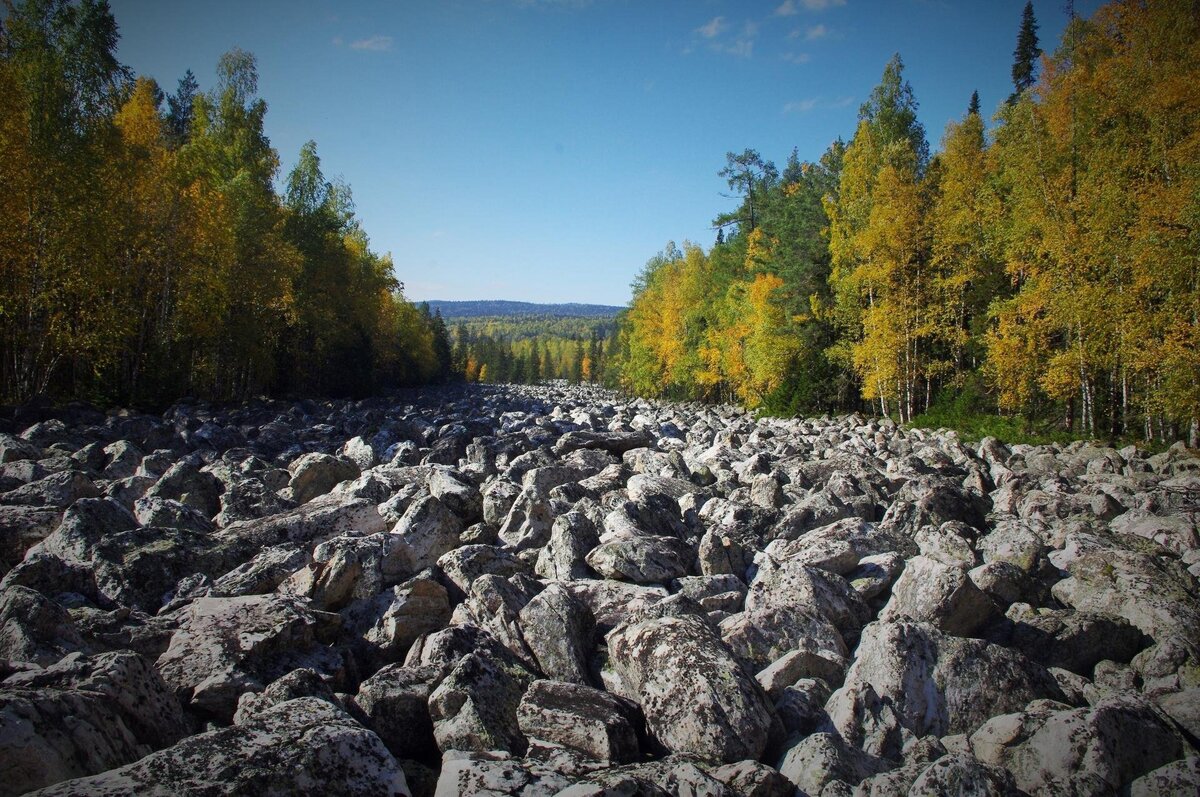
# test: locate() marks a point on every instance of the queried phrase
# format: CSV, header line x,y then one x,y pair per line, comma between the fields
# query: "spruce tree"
x,y
973,108
1026,54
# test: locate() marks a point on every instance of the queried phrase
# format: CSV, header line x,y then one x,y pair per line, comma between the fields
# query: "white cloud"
x,y
817,104
714,32
553,3
821,5
800,106
743,45
816,32
787,9
797,58
741,48
713,28
373,43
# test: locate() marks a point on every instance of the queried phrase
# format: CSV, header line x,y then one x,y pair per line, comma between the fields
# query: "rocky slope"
x,y
552,590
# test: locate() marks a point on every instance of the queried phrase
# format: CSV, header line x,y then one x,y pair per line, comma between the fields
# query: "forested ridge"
x,y
145,253
527,349
1042,265
1037,273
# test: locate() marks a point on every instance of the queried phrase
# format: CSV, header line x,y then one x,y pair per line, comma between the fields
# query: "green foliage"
x,y
145,256
1026,54
527,349
1035,283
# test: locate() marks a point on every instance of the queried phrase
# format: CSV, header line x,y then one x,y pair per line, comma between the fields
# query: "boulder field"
x,y
558,590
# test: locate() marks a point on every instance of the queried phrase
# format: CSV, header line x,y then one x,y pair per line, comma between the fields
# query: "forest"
x,y
1039,273
145,253
527,349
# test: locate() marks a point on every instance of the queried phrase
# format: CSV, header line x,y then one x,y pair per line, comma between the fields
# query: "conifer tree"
x,y
1025,55
179,108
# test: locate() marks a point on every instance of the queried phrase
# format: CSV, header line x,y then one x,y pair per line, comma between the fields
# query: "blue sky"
x,y
543,150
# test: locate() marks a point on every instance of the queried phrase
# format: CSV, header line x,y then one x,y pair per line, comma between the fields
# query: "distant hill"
x,y
493,308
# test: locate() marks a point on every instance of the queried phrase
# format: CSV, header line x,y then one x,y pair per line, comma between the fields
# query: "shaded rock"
x,y
579,718
940,594
122,459
83,525
227,646
184,481
932,501
1074,641
459,496
911,677
428,530
22,527
384,626
727,717
394,702
148,708
464,565
823,758
528,523
475,706
612,442
761,636
641,559
801,707
1178,777
302,682
140,568
249,499
56,490
1052,749
82,716
556,627
15,449
572,537
1138,587
169,513
316,474
262,574
34,628
305,745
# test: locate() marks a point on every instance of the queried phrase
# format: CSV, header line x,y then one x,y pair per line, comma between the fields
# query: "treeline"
x,y
1047,268
144,252
528,350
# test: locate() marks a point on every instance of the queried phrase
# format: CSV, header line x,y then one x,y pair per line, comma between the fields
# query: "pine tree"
x,y
973,107
179,108
1025,55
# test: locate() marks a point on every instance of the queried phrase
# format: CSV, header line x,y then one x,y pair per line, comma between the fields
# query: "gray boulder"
x,y
1053,749
581,719
301,746
316,474
726,717
228,646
